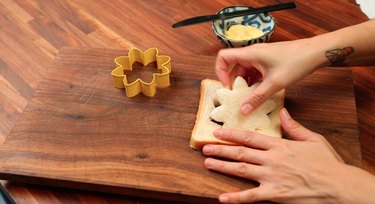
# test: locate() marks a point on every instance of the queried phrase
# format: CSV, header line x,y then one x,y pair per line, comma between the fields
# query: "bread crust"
x,y
197,142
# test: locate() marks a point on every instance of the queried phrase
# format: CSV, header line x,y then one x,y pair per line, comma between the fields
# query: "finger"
x,y
246,138
223,64
246,196
226,62
257,97
239,169
237,153
295,130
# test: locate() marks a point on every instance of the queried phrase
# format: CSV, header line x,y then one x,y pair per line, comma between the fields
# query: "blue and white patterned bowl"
x,y
263,21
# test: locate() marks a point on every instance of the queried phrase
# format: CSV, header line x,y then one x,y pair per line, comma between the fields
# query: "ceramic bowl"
x,y
263,21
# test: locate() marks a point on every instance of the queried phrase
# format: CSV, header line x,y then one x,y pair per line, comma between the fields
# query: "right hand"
x,y
276,65
303,169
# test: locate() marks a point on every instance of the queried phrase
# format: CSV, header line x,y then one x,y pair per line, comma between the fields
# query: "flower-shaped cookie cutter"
x,y
163,63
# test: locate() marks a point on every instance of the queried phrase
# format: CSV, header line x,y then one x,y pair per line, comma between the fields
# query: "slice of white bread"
x,y
220,107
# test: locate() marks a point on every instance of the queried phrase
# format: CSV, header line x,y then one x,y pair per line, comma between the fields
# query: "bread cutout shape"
x,y
219,107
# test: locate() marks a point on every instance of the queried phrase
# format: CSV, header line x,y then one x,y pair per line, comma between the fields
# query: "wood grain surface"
x,y
33,32
78,131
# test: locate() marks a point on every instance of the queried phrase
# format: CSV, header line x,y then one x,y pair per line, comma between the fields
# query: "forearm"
x,y
350,46
355,186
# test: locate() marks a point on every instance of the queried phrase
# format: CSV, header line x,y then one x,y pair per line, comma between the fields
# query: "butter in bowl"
x,y
244,30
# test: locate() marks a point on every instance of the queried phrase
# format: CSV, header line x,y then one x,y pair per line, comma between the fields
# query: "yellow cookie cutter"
x,y
135,55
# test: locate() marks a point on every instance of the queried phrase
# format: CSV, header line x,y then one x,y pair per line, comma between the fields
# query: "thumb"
x,y
257,97
294,129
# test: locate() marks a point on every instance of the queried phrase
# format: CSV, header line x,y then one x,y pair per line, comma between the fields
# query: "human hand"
x,y
277,65
306,169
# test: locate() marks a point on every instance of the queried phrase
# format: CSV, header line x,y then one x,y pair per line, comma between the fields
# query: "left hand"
x,y
305,169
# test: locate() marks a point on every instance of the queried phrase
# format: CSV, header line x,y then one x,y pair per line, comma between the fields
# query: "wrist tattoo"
x,y
338,56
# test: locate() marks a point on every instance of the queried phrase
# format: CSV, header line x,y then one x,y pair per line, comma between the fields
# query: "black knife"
x,y
201,19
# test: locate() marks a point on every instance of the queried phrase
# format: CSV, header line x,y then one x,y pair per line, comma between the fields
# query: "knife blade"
x,y
201,19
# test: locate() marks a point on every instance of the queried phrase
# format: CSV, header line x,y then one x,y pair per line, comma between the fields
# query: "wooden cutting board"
x,y
78,131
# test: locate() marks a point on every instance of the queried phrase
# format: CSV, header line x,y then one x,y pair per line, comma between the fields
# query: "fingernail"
x,y
223,199
208,163
246,109
285,113
207,149
218,133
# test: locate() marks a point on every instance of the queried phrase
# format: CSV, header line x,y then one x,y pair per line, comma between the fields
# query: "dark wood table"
x,y
33,33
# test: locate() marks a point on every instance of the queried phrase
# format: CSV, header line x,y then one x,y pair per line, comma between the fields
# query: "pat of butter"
x,y
241,32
